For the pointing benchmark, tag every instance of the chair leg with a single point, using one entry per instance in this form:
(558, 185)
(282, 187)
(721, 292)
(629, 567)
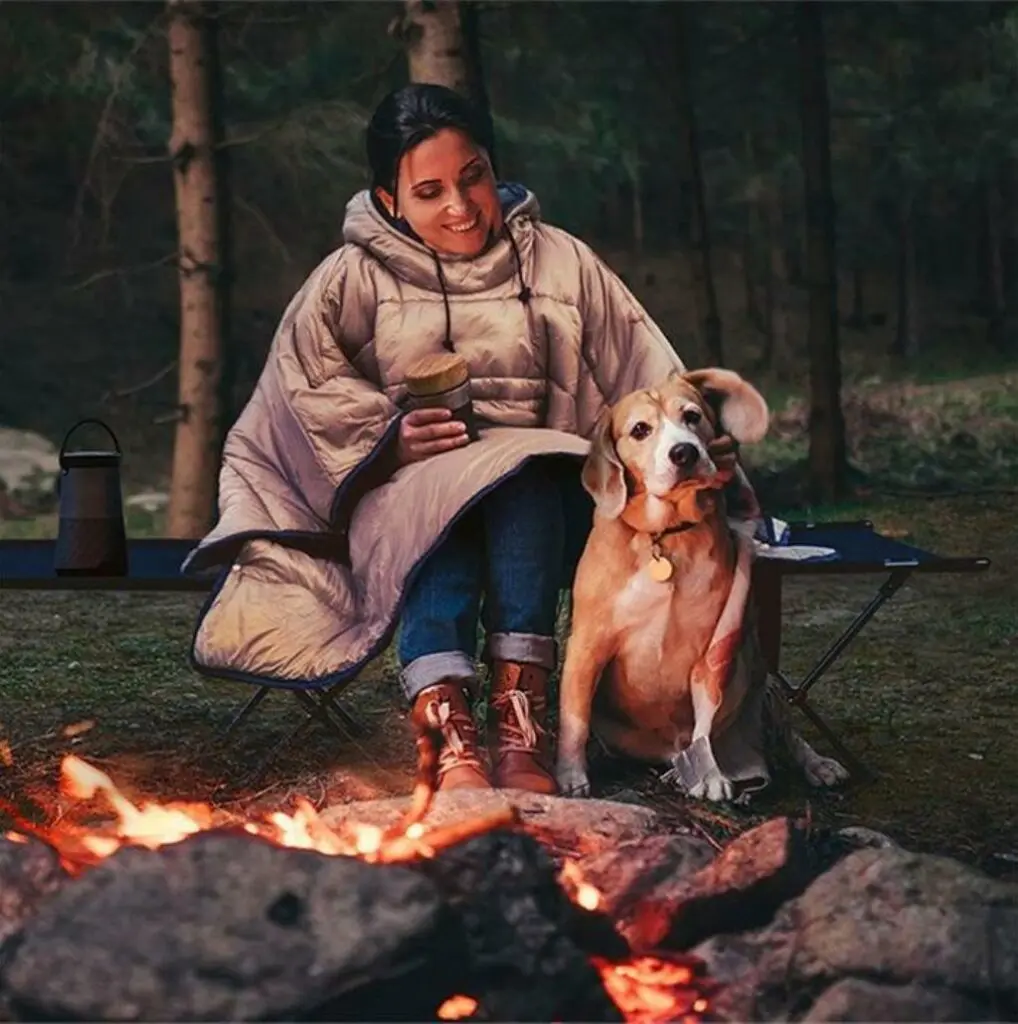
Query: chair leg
(246, 711)
(316, 708)
(263, 766)
(354, 725)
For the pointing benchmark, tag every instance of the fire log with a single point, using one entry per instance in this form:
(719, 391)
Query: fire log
(740, 890)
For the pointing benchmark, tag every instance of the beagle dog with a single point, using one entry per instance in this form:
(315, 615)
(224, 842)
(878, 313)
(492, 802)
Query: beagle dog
(657, 660)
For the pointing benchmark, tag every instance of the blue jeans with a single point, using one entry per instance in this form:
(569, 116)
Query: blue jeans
(503, 564)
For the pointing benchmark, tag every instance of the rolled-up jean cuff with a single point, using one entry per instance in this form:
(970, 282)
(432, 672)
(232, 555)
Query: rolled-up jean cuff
(444, 666)
(523, 648)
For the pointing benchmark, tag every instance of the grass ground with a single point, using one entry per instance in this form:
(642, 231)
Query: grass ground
(926, 695)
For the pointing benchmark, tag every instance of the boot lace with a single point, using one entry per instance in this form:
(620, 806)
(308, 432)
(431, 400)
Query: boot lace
(519, 732)
(456, 751)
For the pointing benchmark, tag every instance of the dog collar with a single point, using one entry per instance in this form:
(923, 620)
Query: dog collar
(678, 528)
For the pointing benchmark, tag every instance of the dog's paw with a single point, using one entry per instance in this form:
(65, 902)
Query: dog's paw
(824, 771)
(713, 786)
(572, 780)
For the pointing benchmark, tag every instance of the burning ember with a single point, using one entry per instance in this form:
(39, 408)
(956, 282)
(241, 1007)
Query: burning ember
(646, 989)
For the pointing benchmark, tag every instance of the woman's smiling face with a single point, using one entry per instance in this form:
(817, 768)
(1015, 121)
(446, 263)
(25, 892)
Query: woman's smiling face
(446, 191)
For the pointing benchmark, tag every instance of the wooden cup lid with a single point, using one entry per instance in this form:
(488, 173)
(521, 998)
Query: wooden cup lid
(437, 372)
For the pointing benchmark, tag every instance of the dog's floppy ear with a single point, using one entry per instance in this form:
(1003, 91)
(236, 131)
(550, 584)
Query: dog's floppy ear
(603, 476)
(741, 409)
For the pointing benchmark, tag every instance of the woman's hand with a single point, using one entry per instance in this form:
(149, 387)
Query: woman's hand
(427, 432)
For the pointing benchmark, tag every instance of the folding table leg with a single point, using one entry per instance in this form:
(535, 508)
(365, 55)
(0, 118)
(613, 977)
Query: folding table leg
(854, 765)
(798, 695)
(887, 590)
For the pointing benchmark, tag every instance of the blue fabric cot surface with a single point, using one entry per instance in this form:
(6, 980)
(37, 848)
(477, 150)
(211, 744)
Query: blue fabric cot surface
(150, 559)
(859, 545)
(160, 558)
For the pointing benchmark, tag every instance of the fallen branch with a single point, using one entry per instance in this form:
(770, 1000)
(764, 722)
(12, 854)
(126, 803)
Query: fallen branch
(101, 275)
(174, 416)
(102, 127)
(402, 848)
(145, 384)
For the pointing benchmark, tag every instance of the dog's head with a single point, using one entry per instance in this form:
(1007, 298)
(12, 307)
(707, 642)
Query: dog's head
(654, 440)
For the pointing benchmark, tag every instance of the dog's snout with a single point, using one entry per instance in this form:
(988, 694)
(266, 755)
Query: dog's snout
(684, 455)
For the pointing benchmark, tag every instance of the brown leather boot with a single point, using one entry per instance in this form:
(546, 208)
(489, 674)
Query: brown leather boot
(517, 734)
(444, 711)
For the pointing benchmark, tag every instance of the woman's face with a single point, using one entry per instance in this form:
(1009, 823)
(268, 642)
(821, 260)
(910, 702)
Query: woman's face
(446, 191)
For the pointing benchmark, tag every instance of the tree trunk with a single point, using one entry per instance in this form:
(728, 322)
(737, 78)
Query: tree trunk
(996, 291)
(442, 42)
(857, 317)
(1011, 219)
(793, 248)
(776, 308)
(827, 464)
(749, 261)
(193, 146)
(751, 275)
(690, 188)
(632, 164)
(906, 335)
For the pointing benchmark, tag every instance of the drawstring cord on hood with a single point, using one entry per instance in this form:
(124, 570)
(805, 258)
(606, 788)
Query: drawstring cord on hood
(445, 301)
(523, 295)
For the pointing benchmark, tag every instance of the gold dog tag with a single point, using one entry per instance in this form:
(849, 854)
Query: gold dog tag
(660, 569)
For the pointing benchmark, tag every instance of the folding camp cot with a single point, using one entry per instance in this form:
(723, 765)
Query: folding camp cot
(154, 565)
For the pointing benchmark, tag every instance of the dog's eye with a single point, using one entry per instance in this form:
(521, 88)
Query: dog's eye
(640, 431)
(692, 416)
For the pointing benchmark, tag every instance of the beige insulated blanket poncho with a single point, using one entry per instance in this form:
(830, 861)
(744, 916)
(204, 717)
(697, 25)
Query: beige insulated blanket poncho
(319, 528)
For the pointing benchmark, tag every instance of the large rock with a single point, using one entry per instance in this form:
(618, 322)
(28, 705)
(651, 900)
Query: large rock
(226, 927)
(913, 923)
(30, 872)
(644, 869)
(740, 889)
(29, 464)
(858, 999)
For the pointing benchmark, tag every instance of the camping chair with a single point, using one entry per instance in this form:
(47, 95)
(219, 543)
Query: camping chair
(154, 567)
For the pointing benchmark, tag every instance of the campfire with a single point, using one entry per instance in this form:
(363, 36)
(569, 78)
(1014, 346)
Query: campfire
(97, 821)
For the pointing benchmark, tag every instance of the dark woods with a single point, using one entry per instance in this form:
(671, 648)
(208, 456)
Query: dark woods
(798, 190)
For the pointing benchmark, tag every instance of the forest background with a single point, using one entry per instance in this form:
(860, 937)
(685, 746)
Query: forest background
(823, 196)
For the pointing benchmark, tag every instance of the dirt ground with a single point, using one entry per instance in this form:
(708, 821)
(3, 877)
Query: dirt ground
(926, 697)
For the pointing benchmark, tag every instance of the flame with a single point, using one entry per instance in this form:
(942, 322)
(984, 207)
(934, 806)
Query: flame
(647, 989)
(457, 1007)
(579, 890)
(151, 825)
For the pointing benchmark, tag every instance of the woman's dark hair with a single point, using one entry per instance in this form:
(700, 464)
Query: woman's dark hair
(408, 116)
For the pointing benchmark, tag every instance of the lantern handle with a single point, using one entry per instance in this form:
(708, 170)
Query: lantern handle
(81, 423)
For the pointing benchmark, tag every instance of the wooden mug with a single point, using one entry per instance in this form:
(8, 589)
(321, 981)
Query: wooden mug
(442, 380)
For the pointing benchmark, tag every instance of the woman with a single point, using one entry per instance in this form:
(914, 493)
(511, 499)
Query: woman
(341, 515)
